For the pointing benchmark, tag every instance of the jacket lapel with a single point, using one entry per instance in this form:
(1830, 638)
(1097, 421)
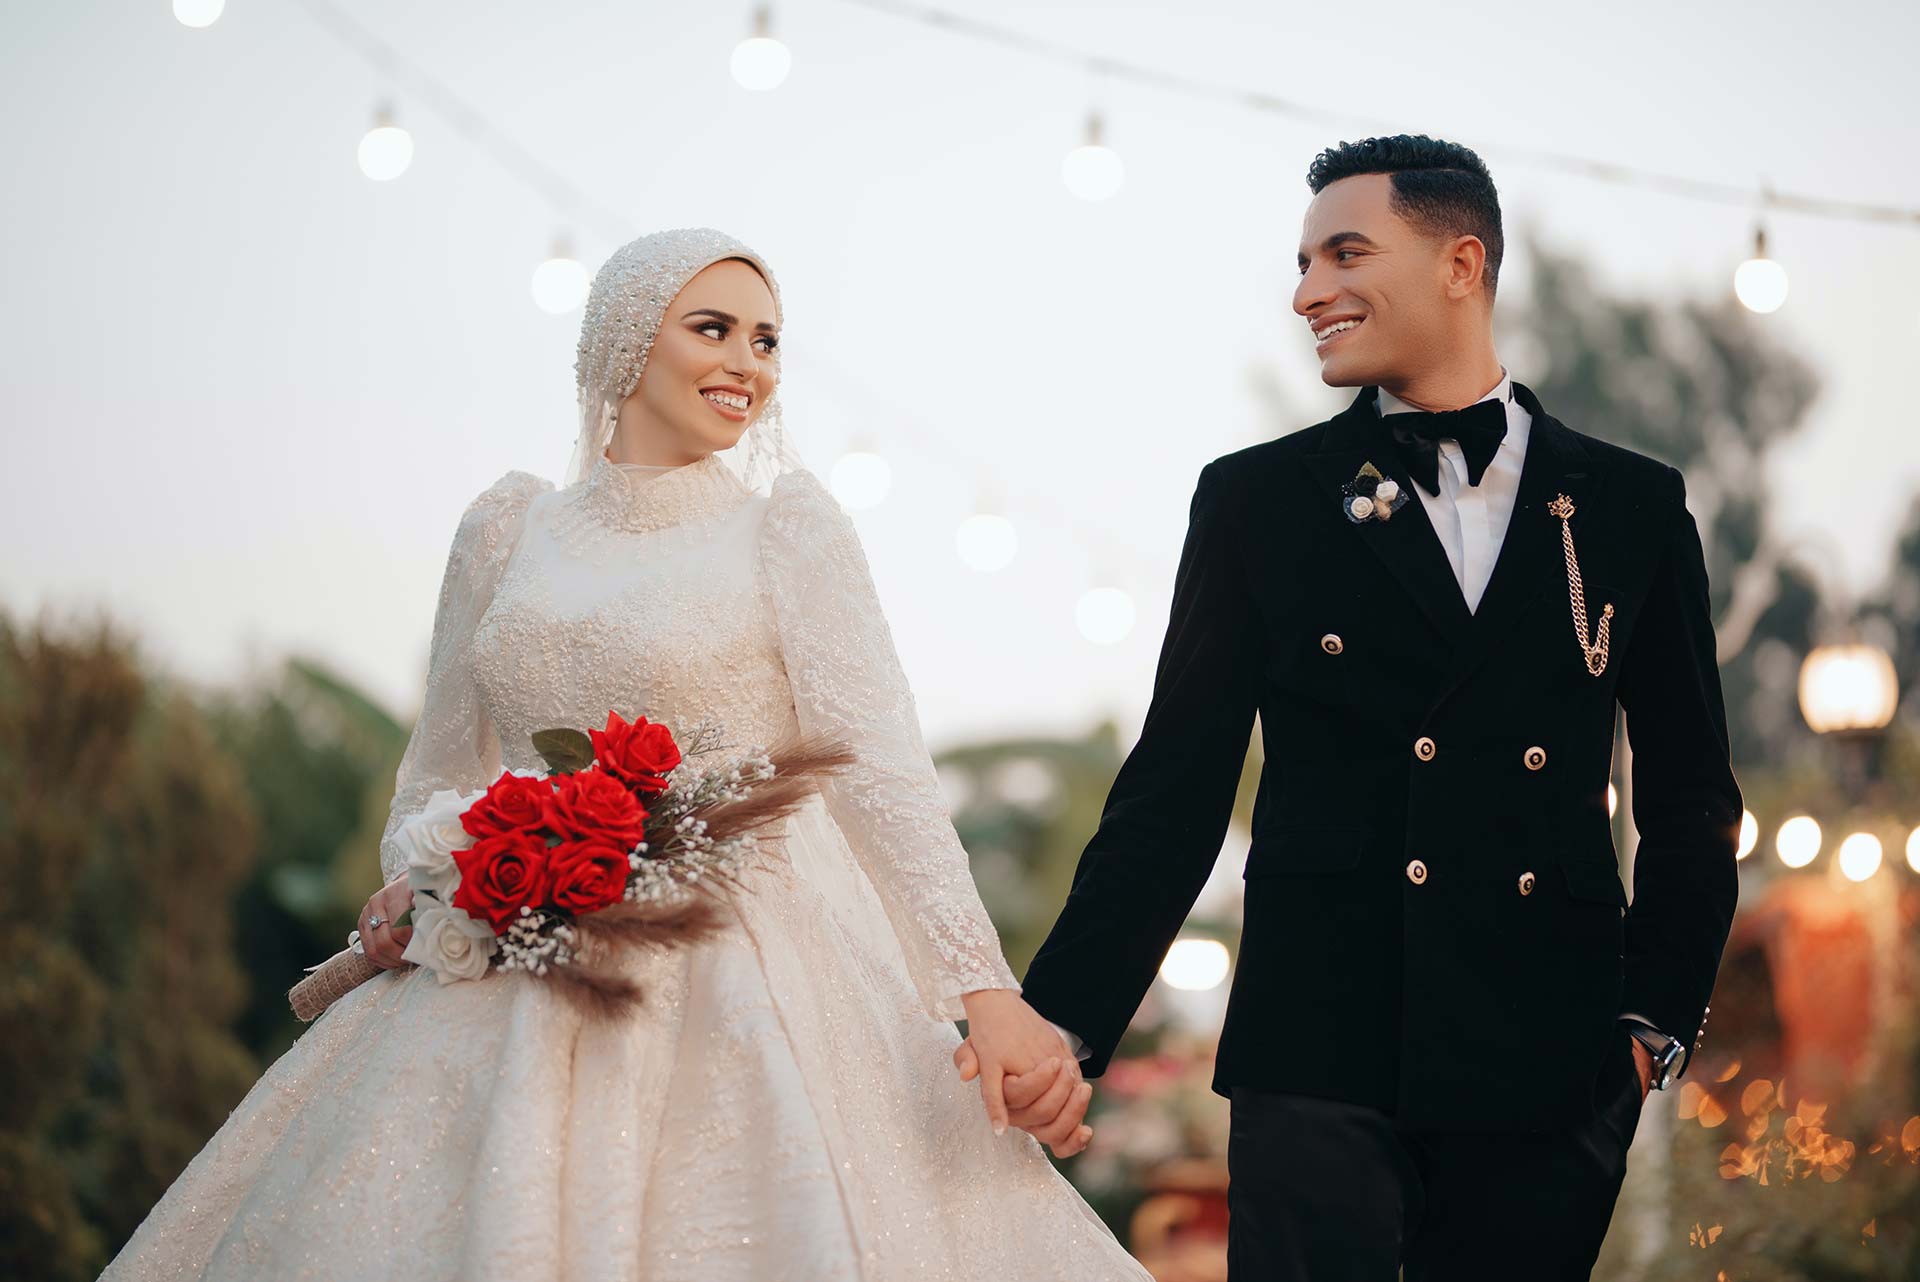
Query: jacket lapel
(1531, 560)
(1406, 545)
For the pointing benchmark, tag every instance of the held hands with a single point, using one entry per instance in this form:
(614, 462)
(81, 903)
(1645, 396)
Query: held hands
(1028, 1078)
(385, 942)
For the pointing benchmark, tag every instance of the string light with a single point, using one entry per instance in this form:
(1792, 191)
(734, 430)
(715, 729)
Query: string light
(198, 13)
(1195, 965)
(1749, 834)
(560, 283)
(387, 149)
(986, 542)
(760, 62)
(1760, 283)
(861, 479)
(1798, 842)
(1105, 615)
(1860, 856)
(1092, 171)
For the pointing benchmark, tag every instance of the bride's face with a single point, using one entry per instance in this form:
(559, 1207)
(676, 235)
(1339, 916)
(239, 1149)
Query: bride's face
(710, 372)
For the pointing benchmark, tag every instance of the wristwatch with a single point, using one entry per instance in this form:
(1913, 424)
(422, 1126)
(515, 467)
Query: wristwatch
(1669, 1056)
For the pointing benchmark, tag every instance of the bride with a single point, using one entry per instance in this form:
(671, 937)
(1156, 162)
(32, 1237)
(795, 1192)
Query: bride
(783, 1106)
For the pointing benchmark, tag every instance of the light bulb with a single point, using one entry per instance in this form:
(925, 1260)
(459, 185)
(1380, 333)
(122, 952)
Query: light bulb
(1860, 856)
(1760, 283)
(1798, 842)
(1105, 615)
(760, 62)
(986, 542)
(1195, 965)
(1749, 834)
(861, 480)
(387, 149)
(560, 283)
(198, 13)
(1092, 171)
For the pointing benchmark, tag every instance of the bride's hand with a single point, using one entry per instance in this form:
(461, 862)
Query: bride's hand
(1027, 1074)
(385, 942)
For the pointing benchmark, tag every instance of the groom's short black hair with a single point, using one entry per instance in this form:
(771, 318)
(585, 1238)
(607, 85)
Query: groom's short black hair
(1440, 187)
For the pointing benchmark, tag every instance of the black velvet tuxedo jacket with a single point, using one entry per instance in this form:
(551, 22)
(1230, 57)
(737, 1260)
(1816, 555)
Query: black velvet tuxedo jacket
(1434, 921)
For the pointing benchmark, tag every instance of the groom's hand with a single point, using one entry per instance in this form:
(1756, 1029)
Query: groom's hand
(1049, 1102)
(1643, 1065)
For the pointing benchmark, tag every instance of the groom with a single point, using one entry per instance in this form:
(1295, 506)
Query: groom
(1445, 1016)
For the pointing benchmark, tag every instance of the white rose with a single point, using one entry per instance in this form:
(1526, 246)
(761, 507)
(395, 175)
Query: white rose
(450, 944)
(1388, 489)
(1361, 507)
(428, 841)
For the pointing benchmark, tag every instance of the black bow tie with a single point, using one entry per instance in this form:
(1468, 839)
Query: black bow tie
(1479, 428)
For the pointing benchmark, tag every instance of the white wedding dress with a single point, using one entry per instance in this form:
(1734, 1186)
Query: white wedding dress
(784, 1106)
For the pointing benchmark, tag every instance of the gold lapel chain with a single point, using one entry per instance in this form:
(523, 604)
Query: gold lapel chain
(1596, 650)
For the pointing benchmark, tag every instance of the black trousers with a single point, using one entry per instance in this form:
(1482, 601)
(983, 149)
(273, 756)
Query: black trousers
(1325, 1191)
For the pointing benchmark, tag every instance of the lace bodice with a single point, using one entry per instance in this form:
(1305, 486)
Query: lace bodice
(687, 598)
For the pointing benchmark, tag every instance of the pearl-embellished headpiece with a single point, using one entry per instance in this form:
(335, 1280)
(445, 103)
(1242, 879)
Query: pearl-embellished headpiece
(629, 299)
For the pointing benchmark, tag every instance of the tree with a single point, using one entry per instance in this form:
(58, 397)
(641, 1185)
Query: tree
(123, 833)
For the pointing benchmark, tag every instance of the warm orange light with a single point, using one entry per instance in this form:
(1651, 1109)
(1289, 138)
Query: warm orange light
(1848, 687)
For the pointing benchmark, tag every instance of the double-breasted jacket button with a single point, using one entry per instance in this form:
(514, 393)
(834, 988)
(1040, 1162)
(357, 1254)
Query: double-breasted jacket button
(1417, 873)
(1424, 748)
(1526, 883)
(1535, 758)
(1332, 643)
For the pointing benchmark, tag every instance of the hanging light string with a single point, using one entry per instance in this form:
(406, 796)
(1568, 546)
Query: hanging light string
(565, 199)
(1185, 86)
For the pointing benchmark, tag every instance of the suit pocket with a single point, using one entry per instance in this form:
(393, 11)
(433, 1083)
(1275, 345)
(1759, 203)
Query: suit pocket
(1290, 849)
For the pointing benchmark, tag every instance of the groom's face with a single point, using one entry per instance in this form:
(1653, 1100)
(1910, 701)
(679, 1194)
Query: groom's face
(1373, 287)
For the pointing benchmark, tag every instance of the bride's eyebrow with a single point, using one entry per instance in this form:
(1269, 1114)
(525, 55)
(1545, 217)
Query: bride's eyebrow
(727, 318)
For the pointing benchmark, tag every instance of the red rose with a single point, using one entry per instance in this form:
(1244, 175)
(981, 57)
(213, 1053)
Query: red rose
(589, 804)
(499, 874)
(639, 755)
(587, 875)
(515, 803)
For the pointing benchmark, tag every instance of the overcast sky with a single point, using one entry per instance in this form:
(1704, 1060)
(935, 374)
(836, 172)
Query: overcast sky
(247, 392)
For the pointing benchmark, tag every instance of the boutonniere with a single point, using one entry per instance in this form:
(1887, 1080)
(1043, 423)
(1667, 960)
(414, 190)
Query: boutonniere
(1595, 649)
(1370, 496)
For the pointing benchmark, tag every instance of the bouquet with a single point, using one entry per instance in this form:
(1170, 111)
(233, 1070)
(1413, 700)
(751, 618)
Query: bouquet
(626, 841)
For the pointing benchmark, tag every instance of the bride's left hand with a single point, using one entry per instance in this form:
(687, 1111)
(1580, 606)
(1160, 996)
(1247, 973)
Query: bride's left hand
(1006, 1038)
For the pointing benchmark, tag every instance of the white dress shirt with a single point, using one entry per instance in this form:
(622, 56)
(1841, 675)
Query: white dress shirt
(1471, 520)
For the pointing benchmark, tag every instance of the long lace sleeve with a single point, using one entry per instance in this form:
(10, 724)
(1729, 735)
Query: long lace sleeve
(454, 744)
(847, 684)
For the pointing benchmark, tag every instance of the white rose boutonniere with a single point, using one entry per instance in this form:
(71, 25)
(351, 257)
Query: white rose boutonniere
(450, 944)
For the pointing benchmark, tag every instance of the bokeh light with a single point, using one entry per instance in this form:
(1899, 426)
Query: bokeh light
(1105, 615)
(1195, 965)
(1799, 841)
(986, 542)
(198, 13)
(1749, 834)
(1860, 856)
(560, 284)
(861, 480)
(385, 152)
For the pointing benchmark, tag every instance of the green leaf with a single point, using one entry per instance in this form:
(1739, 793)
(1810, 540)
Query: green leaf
(565, 751)
(1372, 471)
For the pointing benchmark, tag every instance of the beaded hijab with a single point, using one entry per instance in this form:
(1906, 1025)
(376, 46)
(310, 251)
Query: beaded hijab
(629, 299)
